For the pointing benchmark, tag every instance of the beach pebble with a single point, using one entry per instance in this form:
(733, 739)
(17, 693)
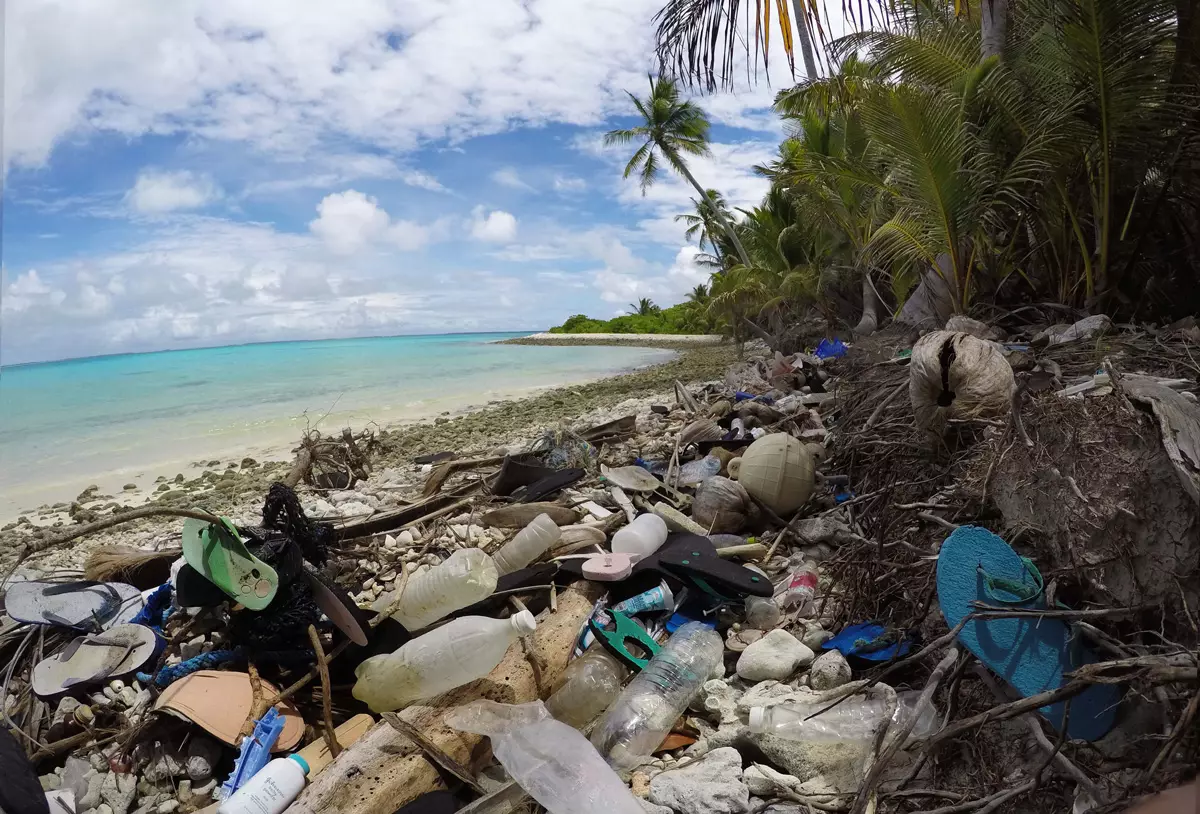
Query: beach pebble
(712, 785)
(110, 694)
(128, 696)
(829, 671)
(118, 791)
(203, 754)
(775, 656)
(167, 807)
(405, 537)
(815, 636)
(191, 648)
(354, 508)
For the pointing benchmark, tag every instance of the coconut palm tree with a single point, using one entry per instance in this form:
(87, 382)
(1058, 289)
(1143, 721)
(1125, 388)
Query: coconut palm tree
(704, 222)
(671, 129)
(645, 307)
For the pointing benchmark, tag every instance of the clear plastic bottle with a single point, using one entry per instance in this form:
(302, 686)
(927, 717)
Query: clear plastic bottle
(642, 537)
(802, 587)
(855, 719)
(530, 543)
(547, 758)
(587, 687)
(457, 653)
(271, 790)
(467, 576)
(642, 716)
(693, 472)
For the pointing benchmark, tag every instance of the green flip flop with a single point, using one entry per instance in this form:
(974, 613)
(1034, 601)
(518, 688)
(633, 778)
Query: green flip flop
(217, 552)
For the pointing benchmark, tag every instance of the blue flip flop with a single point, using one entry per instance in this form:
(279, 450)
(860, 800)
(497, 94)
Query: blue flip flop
(869, 641)
(1031, 654)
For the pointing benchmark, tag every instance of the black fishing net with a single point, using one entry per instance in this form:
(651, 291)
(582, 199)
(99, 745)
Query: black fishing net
(282, 512)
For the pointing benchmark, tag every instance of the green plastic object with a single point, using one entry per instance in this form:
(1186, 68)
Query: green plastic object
(625, 630)
(216, 550)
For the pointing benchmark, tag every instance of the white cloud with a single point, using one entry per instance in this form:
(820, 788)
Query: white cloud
(496, 226)
(350, 221)
(157, 192)
(329, 171)
(568, 184)
(509, 177)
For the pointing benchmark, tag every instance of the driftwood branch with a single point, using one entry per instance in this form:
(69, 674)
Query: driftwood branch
(335, 748)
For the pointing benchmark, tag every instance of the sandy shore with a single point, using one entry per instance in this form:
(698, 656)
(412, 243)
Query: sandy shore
(682, 341)
(235, 487)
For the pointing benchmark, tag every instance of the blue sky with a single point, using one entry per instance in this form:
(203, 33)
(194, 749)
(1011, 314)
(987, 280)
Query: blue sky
(206, 172)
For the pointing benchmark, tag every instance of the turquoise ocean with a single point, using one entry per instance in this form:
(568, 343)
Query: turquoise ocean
(113, 420)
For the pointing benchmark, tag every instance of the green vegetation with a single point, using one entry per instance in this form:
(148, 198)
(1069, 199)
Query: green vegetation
(685, 318)
(1046, 151)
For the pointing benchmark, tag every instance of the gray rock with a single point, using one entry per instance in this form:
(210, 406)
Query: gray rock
(712, 785)
(776, 655)
(766, 782)
(203, 754)
(163, 766)
(829, 671)
(50, 782)
(720, 699)
(191, 648)
(65, 712)
(167, 807)
(91, 797)
(814, 636)
(103, 808)
(651, 808)
(118, 791)
(206, 790)
(838, 762)
(766, 694)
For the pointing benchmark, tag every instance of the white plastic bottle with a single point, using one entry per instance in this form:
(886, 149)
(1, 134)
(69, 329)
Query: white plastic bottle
(454, 654)
(271, 790)
(642, 537)
(467, 576)
(530, 543)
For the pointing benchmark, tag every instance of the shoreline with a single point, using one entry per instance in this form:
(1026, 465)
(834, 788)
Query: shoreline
(237, 487)
(670, 341)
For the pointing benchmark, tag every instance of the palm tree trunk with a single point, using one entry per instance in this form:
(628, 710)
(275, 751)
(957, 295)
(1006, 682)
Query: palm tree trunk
(806, 45)
(993, 18)
(717, 213)
(869, 323)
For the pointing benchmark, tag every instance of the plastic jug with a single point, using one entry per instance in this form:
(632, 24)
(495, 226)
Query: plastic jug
(642, 716)
(554, 763)
(454, 654)
(642, 537)
(530, 543)
(855, 719)
(587, 687)
(466, 577)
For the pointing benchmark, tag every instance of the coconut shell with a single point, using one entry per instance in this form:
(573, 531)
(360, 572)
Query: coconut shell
(702, 430)
(778, 471)
(722, 505)
(720, 409)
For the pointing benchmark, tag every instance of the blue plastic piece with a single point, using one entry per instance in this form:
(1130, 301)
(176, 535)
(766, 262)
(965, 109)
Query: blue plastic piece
(830, 349)
(678, 620)
(868, 641)
(256, 751)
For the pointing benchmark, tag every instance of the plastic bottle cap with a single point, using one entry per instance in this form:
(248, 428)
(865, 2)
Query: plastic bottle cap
(757, 718)
(523, 622)
(303, 763)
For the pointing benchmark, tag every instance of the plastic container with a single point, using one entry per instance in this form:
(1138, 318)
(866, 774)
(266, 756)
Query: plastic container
(555, 764)
(530, 543)
(454, 654)
(802, 587)
(642, 537)
(855, 719)
(271, 790)
(693, 472)
(467, 576)
(587, 687)
(778, 471)
(642, 716)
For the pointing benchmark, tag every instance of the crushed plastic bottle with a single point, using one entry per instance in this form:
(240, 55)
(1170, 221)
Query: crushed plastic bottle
(454, 654)
(642, 716)
(855, 719)
(467, 576)
(802, 587)
(587, 687)
(704, 468)
(530, 543)
(554, 763)
(642, 537)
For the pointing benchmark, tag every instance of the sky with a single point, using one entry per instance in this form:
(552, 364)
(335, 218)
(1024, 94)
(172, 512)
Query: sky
(210, 172)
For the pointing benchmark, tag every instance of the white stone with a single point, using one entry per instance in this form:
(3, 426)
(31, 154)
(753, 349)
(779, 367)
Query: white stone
(354, 508)
(405, 537)
(712, 785)
(776, 655)
(814, 636)
(191, 648)
(829, 671)
(118, 791)
(718, 698)
(203, 754)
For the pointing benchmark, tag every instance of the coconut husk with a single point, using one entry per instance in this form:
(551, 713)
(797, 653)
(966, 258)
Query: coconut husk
(142, 568)
(722, 505)
(702, 430)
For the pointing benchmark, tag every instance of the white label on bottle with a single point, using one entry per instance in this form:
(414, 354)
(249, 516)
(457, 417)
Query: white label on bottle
(261, 801)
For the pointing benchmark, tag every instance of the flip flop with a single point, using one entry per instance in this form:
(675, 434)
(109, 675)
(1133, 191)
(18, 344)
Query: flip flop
(1030, 653)
(336, 604)
(218, 702)
(95, 658)
(80, 605)
(869, 641)
(216, 550)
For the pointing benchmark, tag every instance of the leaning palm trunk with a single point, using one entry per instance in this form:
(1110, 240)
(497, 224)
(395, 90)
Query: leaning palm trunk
(806, 45)
(726, 225)
(869, 323)
(993, 18)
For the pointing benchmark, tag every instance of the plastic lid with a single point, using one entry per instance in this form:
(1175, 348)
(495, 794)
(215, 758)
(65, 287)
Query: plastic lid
(757, 719)
(303, 763)
(523, 623)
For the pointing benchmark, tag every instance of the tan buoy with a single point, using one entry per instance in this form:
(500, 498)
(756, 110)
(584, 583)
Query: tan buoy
(777, 470)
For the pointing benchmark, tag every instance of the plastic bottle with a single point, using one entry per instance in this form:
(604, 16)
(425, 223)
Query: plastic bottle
(464, 578)
(271, 790)
(855, 719)
(454, 654)
(547, 758)
(587, 687)
(642, 716)
(642, 537)
(802, 587)
(693, 472)
(530, 543)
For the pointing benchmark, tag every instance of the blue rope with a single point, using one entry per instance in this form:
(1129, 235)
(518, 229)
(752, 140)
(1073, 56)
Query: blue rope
(156, 610)
(205, 661)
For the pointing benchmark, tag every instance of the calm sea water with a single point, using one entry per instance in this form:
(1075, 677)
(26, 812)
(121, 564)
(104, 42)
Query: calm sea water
(117, 419)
